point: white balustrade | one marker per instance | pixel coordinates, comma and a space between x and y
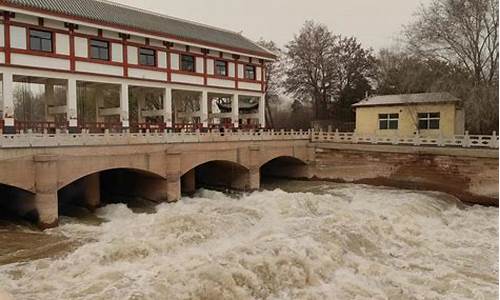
89, 139
465, 141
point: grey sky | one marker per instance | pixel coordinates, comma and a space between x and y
376, 23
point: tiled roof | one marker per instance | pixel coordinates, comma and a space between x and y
128, 17
422, 98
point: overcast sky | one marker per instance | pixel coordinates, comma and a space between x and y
376, 23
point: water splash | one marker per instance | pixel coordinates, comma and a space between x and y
336, 241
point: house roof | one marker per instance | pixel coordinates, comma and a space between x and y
422, 98
113, 14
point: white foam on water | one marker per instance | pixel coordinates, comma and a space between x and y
350, 242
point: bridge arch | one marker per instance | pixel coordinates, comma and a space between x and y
108, 183
217, 174
71, 176
285, 166
16, 201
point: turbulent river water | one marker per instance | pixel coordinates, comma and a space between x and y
306, 240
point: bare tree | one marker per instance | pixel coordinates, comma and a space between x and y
274, 78
401, 72
331, 70
459, 31
464, 35
310, 66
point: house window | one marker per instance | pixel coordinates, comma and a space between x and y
40, 40
99, 50
428, 120
187, 63
388, 121
250, 72
147, 57
220, 68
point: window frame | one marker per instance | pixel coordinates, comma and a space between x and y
388, 119
30, 44
101, 41
181, 63
226, 69
254, 71
155, 60
428, 118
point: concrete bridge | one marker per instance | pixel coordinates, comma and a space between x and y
47, 169
38, 172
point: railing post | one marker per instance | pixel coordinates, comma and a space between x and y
354, 139
494, 141
440, 141
416, 142
466, 143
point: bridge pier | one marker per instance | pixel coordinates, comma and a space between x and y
173, 188
46, 202
188, 182
173, 178
91, 191
254, 179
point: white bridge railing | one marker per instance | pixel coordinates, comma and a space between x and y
87, 139
27, 140
465, 140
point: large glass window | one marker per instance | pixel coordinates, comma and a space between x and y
388, 121
220, 68
99, 49
147, 57
187, 63
250, 72
428, 120
40, 40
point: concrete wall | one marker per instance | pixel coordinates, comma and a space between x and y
469, 174
367, 120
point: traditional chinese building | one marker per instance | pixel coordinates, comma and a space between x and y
94, 65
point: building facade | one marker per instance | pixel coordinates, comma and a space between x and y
91, 64
425, 114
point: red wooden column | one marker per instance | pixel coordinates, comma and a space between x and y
6, 27
262, 72
236, 57
205, 78
168, 45
71, 32
125, 37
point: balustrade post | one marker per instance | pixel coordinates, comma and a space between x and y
494, 141
466, 143
440, 140
416, 142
